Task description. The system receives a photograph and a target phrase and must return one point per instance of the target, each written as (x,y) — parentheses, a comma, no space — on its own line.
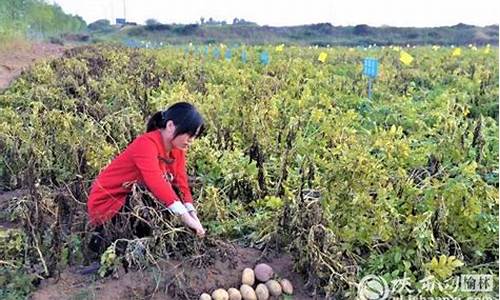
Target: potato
(286,286)
(234,294)
(220,294)
(274,287)
(205,296)
(248,277)
(247,292)
(263,272)
(262,292)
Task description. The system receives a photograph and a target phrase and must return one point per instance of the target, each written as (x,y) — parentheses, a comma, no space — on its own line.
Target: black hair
(185,116)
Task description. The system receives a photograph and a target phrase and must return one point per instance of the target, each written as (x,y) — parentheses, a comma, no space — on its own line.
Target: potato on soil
(248,277)
(262,292)
(286,286)
(263,272)
(274,287)
(205,296)
(234,294)
(220,294)
(247,292)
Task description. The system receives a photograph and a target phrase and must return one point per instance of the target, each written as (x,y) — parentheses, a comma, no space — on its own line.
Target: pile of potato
(266,288)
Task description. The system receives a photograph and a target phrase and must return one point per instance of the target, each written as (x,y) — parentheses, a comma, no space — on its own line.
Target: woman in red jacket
(155,159)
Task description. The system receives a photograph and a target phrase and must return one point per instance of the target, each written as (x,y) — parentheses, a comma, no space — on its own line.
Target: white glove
(189,207)
(177,208)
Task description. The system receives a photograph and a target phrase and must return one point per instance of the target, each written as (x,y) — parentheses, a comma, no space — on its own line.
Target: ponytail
(156,122)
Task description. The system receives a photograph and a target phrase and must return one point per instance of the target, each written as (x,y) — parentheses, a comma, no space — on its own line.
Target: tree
(361,29)
(100,25)
(36,18)
(151,22)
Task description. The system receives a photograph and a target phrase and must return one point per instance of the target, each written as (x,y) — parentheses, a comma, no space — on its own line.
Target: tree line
(36,19)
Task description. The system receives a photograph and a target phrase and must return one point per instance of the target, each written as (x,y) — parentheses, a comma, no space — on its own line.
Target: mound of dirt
(171,279)
(17,56)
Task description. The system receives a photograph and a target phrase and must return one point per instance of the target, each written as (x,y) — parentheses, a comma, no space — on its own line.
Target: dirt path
(17,56)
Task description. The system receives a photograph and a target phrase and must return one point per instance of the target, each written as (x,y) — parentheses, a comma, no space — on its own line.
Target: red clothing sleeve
(145,157)
(181,178)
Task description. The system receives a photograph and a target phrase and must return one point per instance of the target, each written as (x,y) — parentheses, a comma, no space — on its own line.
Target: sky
(423,13)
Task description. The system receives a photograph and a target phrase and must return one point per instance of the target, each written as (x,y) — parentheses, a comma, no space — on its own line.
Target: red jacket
(143,161)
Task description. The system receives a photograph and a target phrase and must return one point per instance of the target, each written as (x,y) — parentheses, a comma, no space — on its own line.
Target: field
(298,168)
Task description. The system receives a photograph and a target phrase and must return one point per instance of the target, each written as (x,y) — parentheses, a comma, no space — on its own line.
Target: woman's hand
(200,231)
(194,216)
(193,223)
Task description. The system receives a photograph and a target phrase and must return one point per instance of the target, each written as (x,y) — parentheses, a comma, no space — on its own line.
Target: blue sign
(264,58)
(370,67)
(216,53)
(227,55)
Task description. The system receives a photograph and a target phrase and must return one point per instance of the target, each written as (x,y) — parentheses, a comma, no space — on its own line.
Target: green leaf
(397,257)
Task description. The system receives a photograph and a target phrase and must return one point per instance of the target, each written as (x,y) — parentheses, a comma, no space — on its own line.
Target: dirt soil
(172,280)
(18,56)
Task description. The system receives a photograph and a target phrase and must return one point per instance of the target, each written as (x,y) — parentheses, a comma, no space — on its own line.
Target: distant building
(120,21)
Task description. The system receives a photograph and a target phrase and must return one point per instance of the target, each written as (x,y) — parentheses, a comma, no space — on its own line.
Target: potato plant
(295,156)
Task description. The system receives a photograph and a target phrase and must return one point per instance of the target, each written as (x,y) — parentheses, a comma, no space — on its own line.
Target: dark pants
(139,229)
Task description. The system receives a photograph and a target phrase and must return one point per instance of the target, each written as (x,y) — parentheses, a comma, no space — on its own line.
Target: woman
(155,159)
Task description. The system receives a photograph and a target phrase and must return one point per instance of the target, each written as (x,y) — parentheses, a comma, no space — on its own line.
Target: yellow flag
(487,49)
(280,48)
(322,57)
(405,57)
(457,52)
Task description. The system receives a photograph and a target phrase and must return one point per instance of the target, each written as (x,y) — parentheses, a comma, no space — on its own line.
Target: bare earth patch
(173,279)
(18,56)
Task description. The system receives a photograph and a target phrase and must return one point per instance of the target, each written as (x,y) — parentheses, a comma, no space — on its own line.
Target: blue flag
(264,57)
(244,56)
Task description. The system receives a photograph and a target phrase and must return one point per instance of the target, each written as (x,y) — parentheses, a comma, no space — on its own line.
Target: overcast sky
(416,13)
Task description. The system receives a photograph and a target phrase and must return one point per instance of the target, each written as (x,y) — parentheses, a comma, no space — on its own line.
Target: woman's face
(182,141)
